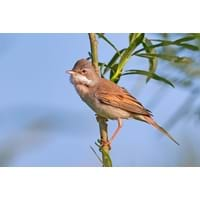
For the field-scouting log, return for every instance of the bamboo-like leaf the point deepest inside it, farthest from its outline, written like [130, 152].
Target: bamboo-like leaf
[126, 56]
[149, 74]
[152, 60]
[113, 61]
[108, 41]
[187, 38]
[167, 43]
[171, 58]
[189, 46]
[100, 64]
[113, 70]
[102, 67]
[133, 36]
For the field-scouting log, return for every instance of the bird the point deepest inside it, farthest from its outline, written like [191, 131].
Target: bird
[108, 99]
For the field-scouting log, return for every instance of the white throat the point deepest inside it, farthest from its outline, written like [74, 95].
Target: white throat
[78, 78]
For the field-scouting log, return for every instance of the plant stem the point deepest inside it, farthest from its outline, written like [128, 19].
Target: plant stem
[94, 51]
[102, 121]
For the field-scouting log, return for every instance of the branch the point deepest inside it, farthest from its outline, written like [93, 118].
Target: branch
[102, 121]
[94, 51]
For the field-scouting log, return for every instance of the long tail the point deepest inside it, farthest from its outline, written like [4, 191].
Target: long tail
[155, 125]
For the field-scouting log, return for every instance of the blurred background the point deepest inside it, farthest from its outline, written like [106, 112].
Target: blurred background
[43, 122]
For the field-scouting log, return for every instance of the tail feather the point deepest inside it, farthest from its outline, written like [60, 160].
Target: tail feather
[155, 125]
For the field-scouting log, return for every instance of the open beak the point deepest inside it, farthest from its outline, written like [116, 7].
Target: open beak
[69, 72]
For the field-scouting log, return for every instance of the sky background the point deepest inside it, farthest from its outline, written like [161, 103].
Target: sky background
[44, 122]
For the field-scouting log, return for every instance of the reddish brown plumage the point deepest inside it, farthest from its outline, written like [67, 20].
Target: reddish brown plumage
[119, 97]
[108, 99]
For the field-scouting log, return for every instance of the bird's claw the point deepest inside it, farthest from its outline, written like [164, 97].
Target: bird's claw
[106, 143]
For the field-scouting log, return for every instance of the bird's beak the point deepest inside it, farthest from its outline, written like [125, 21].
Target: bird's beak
[69, 72]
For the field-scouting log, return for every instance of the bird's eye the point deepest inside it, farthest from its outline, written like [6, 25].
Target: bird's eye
[83, 71]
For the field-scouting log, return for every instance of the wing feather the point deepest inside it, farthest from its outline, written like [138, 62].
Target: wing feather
[120, 98]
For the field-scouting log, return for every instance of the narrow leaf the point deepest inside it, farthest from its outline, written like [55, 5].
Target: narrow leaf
[95, 153]
[126, 56]
[133, 36]
[187, 38]
[152, 60]
[108, 41]
[113, 70]
[113, 61]
[189, 46]
[171, 58]
[149, 74]
[167, 43]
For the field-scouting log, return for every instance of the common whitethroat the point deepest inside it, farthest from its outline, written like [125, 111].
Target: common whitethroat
[107, 99]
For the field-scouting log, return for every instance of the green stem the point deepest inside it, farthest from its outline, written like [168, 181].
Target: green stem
[102, 121]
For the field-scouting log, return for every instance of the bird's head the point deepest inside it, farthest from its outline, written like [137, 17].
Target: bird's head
[83, 73]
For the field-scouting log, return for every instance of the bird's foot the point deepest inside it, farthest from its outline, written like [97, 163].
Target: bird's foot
[106, 143]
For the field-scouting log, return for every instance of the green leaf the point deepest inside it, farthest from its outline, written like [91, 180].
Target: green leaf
[113, 70]
[113, 61]
[133, 36]
[100, 64]
[138, 38]
[102, 67]
[149, 74]
[189, 46]
[167, 43]
[108, 41]
[177, 43]
[187, 38]
[171, 58]
[152, 60]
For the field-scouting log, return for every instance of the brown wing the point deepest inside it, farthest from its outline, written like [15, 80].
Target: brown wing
[119, 98]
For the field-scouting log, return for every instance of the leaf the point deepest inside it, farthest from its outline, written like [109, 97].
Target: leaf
[95, 153]
[178, 43]
[152, 60]
[107, 162]
[90, 55]
[187, 38]
[171, 58]
[133, 36]
[189, 46]
[102, 66]
[113, 61]
[108, 41]
[126, 56]
[149, 74]
[113, 70]
[167, 43]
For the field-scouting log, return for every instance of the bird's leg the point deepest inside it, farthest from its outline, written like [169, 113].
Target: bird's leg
[119, 121]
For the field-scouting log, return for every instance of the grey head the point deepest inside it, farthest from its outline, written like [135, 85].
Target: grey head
[83, 73]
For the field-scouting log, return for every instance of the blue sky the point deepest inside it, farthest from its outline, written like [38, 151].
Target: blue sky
[44, 122]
